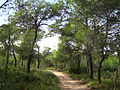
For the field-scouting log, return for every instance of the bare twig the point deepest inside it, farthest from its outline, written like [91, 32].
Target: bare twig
[4, 4]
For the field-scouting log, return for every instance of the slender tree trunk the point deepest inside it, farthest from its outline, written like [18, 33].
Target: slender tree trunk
[8, 48]
[31, 52]
[14, 55]
[7, 59]
[119, 59]
[99, 69]
[56, 64]
[78, 62]
[87, 64]
[38, 59]
[90, 67]
[15, 59]
[38, 63]
[22, 63]
[65, 64]
[29, 62]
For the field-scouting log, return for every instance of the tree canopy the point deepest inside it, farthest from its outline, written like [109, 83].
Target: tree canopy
[89, 38]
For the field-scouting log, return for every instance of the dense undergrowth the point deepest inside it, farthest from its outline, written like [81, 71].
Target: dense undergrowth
[108, 80]
[15, 79]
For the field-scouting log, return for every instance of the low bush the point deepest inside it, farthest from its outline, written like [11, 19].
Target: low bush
[36, 80]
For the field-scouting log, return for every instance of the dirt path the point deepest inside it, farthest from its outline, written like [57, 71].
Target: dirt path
[67, 83]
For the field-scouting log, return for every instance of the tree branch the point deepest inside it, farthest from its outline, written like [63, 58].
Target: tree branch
[4, 4]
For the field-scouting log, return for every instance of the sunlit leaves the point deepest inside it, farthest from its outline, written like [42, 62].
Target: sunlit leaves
[4, 33]
[54, 7]
[80, 36]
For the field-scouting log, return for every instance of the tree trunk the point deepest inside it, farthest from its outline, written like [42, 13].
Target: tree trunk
[38, 59]
[31, 52]
[56, 64]
[78, 62]
[8, 48]
[29, 62]
[7, 59]
[15, 59]
[87, 65]
[119, 59]
[99, 69]
[64, 65]
[22, 63]
[14, 56]
[90, 67]
[38, 63]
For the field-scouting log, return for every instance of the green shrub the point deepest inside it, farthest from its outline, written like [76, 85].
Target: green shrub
[36, 80]
[110, 64]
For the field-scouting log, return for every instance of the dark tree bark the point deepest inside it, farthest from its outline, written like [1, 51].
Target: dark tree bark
[4, 4]
[29, 62]
[87, 64]
[15, 59]
[22, 63]
[14, 55]
[119, 59]
[38, 58]
[78, 62]
[56, 64]
[90, 66]
[8, 48]
[31, 52]
[99, 68]
[7, 59]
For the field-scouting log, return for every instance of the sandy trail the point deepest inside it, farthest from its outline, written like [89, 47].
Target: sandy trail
[67, 83]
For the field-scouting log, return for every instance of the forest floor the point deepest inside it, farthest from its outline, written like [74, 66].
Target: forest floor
[67, 83]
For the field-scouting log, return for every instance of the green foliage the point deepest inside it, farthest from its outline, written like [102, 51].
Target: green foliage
[14, 79]
[111, 64]
[88, 28]
[108, 81]
[80, 36]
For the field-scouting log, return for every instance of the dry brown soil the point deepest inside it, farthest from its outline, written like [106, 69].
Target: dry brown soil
[67, 83]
